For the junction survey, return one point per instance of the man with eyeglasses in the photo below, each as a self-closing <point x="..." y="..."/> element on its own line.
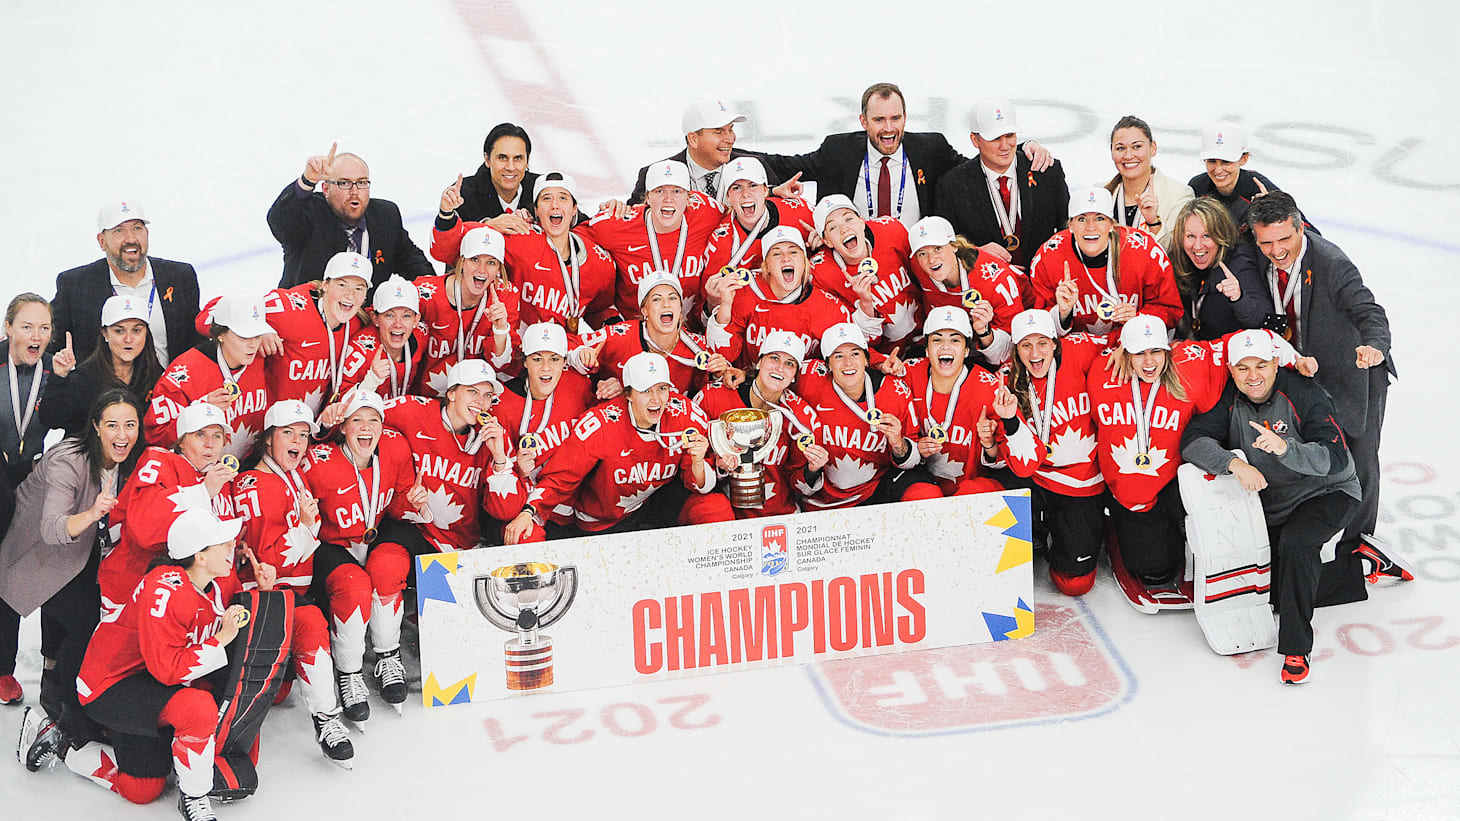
<point x="313" y="227"/>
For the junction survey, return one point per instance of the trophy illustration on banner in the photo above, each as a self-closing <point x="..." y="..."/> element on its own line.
<point x="522" y="599"/>
<point x="750" y="434"/>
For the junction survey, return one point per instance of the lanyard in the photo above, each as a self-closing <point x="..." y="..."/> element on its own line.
<point x="335" y="359"/>
<point x="1112" y="295"/>
<point x="871" y="414"/>
<point x="793" y="296"/>
<point x="229" y="377"/>
<point x="677" y="270"/>
<point x="23" y="422"/>
<point x="291" y="478"/>
<point x="683" y="337"/>
<point x="398" y="389"/>
<point x="785" y="412"/>
<point x="463" y="335"/>
<point x="901" y="186"/>
<point x="572" y="281"/>
<point x="547" y="412"/>
<point x="473" y="441"/>
<point x="1143" y="417"/>
<point x="738" y="249"/>
<point x="952" y="397"/>
<point x="371" y="506"/>
<point x="1042" y="422"/>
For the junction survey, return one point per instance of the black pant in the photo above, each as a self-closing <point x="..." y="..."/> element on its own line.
<point x="73" y="612"/>
<point x="1153" y="541"/>
<point x="1365" y="450"/>
<point x="9" y="638"/>
<point x="1075" y="524"/>
<point x="1297" y="565"/>
<point x="130" y="710"/>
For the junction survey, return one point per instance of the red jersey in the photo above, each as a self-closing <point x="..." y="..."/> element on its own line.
<point x="860" y="456"/>
<point x="453" y="335"/>
<point x="1145" y="280"/>
<point x="786" y="464"/>
<point x="452" y="470"/>
<point x="611" y="468"/>
<point x="553" y="290"/>
<point x="1057" y="447"/>
<point x="549" y="420"/>
<point x="756" y="313"/>
<point x="959" y="458"/>
<point x="1133" y="481"/>
<point x="626" y="239"/>
<point x="897" y="297"/>
<point x="730" y="238"/>
<point x="344" y="515"/>
<point x="309" y="367"/>
<point x="624" y="339"/>
<point x="269" y="506"/>
<point x="162" y="486"/>
<point x="170" y="631"/>
<point x="360" y="356"/>
<point x="194" y="375"/>
<point x="1005" y="288"/>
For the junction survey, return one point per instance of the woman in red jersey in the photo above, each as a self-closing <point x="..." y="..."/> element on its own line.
<point x="315" y="323"/>
<point x="538" y="410"/>
<point x="386" y="358"/>
<point x="865" y="263"/>
<point x="471" y="312"/>
<point x="956" y="274"/>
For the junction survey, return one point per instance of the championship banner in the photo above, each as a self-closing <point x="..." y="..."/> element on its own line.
<point x="607" y="610"/>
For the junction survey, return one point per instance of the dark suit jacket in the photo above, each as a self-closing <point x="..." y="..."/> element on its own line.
<point x="311" y="234"/>
<point x="837" y="162"/>
<point x="683" y="156"/>
<point x="962" y="197"/>
<point x="1338" y="313"/>
<point x="80" y="293"/>
<point x="479" y="198"/>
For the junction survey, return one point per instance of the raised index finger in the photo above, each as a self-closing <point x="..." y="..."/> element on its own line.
<point x="330" y="158"/>
<point x="68" y="340"/>
<point x="457" y="186"/>
<point x="1257" y="427"/>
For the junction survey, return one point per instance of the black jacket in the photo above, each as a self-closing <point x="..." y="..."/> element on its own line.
<point x="66" y="400"/>
<point x="1240" y="199"/>
<point x="1220" y="316"/>
<point x="310" y="234"/>
<point x="479" y="198"/>
<point x="837" y="162"/>
<point x="962" y="197"/>
<point x="81" y="292"/>
<point x="683" y="156"/>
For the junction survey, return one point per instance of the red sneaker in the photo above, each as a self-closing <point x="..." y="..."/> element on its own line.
<point x="1383" y="562"/>
<point x="1072" y="585"/>
<point x="10" y="692"/>
<point x="1295" y="669"/>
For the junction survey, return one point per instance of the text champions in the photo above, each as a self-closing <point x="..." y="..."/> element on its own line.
<point x="752" y="624"/>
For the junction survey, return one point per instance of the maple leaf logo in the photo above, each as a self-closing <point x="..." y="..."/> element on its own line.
<point x="901" y="388"/>
<point x="320" y="453"/>
<point x="631" y="502"/>
<point x="602" y="254"/>
<point x="172" y="578"/>
<point x="314" y="400"/>
<point x="676" y="404"/>
<point x="848" y="471"/>
<point x="427" y="290"/>
<point x="367" y="342"/>
<point x="436" y="381"/>
<point x="618" y="329"/>
<point x="299" y="544"/>
<point x="944" y="468"/>
<point x="242" y="441"/>
<point x="987" y="378"/>
<point x="1125" y="458"/>
<point x="445" y="512"/>
<point x="1136" y="239"/>
<point x="502" y="484"/>
<point x="989" y="270"/>
<point x="611" y="413"/>
<point x="247" y="481"/>
<point x="722" y="232"/>
<point x="178" y="374"/>
<point x="300" y="301"/>
<point x="1190" y="353"/>
<point x="1071" y="448"/>
<point x="903" y="320"/>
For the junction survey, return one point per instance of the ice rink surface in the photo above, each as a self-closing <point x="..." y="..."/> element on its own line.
<point x="204" y="111"/>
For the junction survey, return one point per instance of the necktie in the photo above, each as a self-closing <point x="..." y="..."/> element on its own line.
<point x="884" y="190"/>
<point x="1004" y="192"/>
<point x="356" y="234"/>
<point x="1292" y="307"/>
<point x="710" y="182"/>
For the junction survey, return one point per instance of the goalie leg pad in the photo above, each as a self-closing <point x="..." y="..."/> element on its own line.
<point x="1231" y="562"/>
<point x="255" y="671"/>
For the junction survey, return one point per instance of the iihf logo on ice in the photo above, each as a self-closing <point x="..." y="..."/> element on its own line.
<point x="774" y="550"/>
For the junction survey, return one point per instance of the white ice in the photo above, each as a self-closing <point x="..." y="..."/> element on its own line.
<point x="204" y="111"/>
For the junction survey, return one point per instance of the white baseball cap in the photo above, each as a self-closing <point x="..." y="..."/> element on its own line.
<point x="560" y="180"/>
<point x="115" y="213"/>
<point x="1223" y="141"/>
<point x="748" y="169"/>
<point x="655" y="279"/>
<point x="197" y="529"/>
<point x="120" y="307"/>
<point x="667" y="172"/>
<point x="784" y="342"/>
<point x="348" y="264"/>
<point x="483" y="240"/>
<point x="396" y="292"/>
<point x="644" y="370"/>
<point x="709" y="112"/>
<point x="828" y="205"/>
<point x="361" y="398"/>
<point x="948" y="318"/>
<point x="781" y="233"/>
<point x="1031" y="322"/>
<point x="1143" y="333"/>
<point x="842" y="333"/>
<point x="1091" y="200"/>
<point x="993" y="118"/>
<point x="1259" y="343"/>
<point x="288" y="412"/>
<point x="544" y="336"/>
<point x="243" y="314"/>
<point x="930" y="231"/>
<point x="200" y="415"/>
<point x="472" y="372"/>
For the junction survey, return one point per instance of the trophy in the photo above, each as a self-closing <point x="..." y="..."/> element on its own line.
<point x="750" y="434"/>
<point x="522" y="598"/>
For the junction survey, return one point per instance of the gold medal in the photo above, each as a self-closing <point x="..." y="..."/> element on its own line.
<point x="804" y="441"/>
<point x="1011" y="242"/>
<point x="743" y="276"/>
<point x="231" y="388"/>
<point x="874" y="415"/>
<point x="867" y="266"/>
<point x="1195" y="325"/>
<point x="528" y="440"/>
<point x="971" y="297"/>
<point x="937" y="434"/>
<point x="1049" y="452"/>
<point x="230" y="461"/>
<point x="370" y="534"/>
<point x="702" y="360"/>
<point x="1288" y="332"/>
<point x="482" y="417"/>
<point x="728" y="271"/>
<point x="686" y="436"/>
<point x="242" y="619"/>
<point x="1105" y="310"/>
<point x="573" y="324"/>
<point x="1143" y="460"/>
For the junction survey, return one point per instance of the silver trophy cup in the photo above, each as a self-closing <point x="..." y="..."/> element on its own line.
<point x="750" y="434"/>
<point x="522" y="599"/>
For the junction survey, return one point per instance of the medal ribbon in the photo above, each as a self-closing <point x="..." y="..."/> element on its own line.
<point x="781" y="409"/>
<point x="463" y="335"/>
<point x="947" y="423"/>
<point x="1143" y="417"/>
<point x="23" y="422"/>
<point x="654" y="244"/>
<point x="1042" y="423"/>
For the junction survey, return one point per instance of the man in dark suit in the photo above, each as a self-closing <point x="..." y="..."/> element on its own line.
<point x="169" y="289"/>
<point x="997" y="200"/>
<point x="502" y="185"/>
<point x="1329" y="314"/>
<point x="313" y="227"/>
<point x="709" y="143"/>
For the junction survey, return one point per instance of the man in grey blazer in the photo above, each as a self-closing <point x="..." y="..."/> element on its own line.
<point x="1329" y="314"/>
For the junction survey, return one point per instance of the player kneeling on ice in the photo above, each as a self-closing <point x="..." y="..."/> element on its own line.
<point x="364" y="483"/>
<point x="1296" y="456"/>
<point x="280" y="534"/>
<point x="617" y="473"/>
<point x="139" y="675"/>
